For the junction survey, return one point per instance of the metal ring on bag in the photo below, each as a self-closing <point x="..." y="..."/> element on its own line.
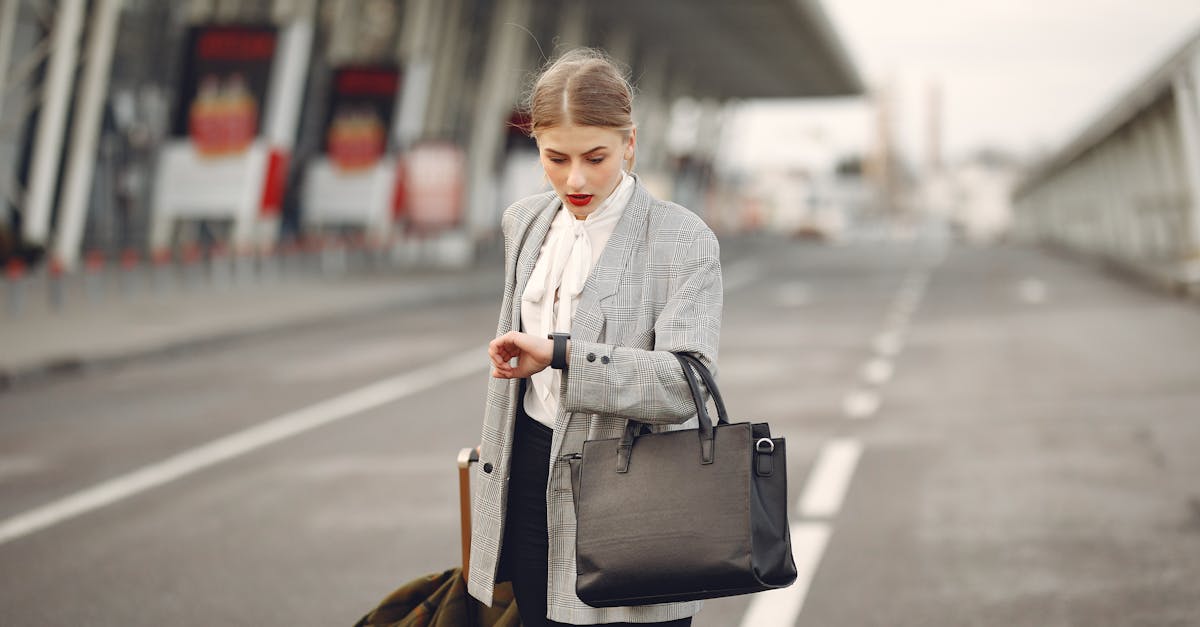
<point x="768" y="448"/>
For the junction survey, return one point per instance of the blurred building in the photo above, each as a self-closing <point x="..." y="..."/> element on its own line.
<point x="238" y="123"/>
<point x="974" y="195"/>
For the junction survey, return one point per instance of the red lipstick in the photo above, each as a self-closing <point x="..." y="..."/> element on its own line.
<point x="579" y="200"/>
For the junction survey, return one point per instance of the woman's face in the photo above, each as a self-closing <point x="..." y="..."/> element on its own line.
<point x="584" y="163"/>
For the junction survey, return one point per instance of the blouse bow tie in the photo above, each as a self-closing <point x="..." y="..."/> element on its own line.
<point x="555" y="287"/>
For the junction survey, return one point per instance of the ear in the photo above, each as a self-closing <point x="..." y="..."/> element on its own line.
<point x="631" y="146"/>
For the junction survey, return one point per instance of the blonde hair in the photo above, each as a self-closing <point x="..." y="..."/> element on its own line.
<point x="583" y="87"/>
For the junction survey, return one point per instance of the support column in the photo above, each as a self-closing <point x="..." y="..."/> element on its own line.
<point x="572" y="26"/>
<point x="1187" y="108"/>
<point x="1113" y="186"/>
<point x="1165" y="184"/>
<point x="417" y="55"/>
<point x="619" y="45"/>
<point x="1125" y="236"/>
<point x="500" y="80"/>
<point x="448" y="58"/>
<point x="8" y="23"/>
<point x="650" y="111"/>
<point x="52" y="120"/>
<point x="85" y="132"/>
<point x="258" y="222"/>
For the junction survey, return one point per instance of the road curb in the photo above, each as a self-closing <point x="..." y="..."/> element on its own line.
<point x="67" y="365"/>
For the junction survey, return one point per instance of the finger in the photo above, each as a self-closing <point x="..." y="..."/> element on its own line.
<point x="496" y="357"/>
<point x="499" y="351"/>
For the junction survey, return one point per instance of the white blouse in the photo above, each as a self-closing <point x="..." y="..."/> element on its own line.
<point x="548" y="303"/>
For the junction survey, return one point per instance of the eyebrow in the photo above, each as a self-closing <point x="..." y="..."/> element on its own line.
<point x="586" y="152"/>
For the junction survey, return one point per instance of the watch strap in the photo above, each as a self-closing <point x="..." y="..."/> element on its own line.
<point x="558" y="358"/>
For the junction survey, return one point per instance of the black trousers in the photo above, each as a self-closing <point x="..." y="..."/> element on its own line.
<point x="525" y="550"/>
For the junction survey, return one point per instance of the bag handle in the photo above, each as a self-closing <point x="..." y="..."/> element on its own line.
<point x="709" y="382"/>
<point x="687" y="362"/>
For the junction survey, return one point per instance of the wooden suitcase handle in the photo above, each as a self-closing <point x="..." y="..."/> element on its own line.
<point x="466" y="457"/>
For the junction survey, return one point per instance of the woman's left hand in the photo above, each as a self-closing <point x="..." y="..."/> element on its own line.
<point x="533" y="355"/>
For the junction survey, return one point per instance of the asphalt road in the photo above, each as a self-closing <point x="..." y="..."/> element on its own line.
<point x="977" y="436"/>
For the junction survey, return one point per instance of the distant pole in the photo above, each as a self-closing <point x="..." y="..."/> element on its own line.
<point x="52" y="120"/>
<point x="881" y="160"/>
<point x="933" y="158"/>
<point x="85" y="133"/>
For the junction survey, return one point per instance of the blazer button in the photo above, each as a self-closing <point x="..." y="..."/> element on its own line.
<point x="487" y="467"/>
<point x="604" y="359"/>
<point x="591" y="357"/>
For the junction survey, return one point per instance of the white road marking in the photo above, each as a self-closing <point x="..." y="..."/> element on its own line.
<point x="242" y="442"/>
<point x="916" y="279"/>
<point x="780" y="608"/>
<point x="740" y="274"/>
<point x="860" y="404"/>
<point x="830" y="478"/>
<point x="907" y="301"/>
<point x="359" y="357"/>
<point x="17" y="465"/>
<point x="794" y="294"/>
<point x="877" y="371"/>
<point x="896" y="322"/>
<point x="888" y="344"/>
<point x="1032" y="291"/>
<point x="836" y="463"/>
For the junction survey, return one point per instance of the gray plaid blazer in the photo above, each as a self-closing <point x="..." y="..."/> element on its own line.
<point x="656" y="289"/>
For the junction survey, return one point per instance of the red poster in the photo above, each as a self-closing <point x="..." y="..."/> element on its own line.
<point x="225" y="86"/>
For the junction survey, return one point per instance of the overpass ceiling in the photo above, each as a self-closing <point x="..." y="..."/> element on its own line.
<point x="741" y="48"/>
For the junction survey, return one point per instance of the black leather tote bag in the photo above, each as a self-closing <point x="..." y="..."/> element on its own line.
<point x="682" y="515"/>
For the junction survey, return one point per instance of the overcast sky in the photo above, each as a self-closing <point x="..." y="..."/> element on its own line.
<point x="1022" y="75"/>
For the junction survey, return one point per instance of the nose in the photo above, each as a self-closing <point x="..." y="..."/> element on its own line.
<point x="576" y="180"/>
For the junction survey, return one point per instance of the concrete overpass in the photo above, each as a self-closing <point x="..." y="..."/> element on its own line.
<point x="1127" y="188"/>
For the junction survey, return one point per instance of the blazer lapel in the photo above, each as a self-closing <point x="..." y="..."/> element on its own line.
<point x="605" y="277"/>
<point x="531" y="248"/>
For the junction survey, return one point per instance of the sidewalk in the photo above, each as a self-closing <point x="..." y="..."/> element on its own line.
<point x="39" y="341"/>
<point x="113" y="317"/>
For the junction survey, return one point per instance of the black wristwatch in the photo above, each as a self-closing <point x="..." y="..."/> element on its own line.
<point x="558" y="359"/>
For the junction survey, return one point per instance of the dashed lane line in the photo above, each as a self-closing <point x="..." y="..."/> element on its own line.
<point x="1032" y="291"/>
<point x="829" y="481"/>
<point x="861" y="404"/>
<point x="878" y="371"/>
<point x="781" y="608"/>
<point x="740" y="274"/>
<point x="830" y="478"/>
<point x="888" y="343"/>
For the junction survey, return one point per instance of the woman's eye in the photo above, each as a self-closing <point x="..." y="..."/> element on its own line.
<point x="596" y="160"/>
<point x="557" y="160"/>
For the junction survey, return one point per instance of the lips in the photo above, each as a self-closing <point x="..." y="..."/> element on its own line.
<point x="579" y="200"/>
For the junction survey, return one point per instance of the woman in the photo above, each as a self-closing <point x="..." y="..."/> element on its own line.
<point x="620" y="280"/>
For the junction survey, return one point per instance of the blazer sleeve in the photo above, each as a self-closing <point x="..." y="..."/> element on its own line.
<point x="649" y="385"/>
